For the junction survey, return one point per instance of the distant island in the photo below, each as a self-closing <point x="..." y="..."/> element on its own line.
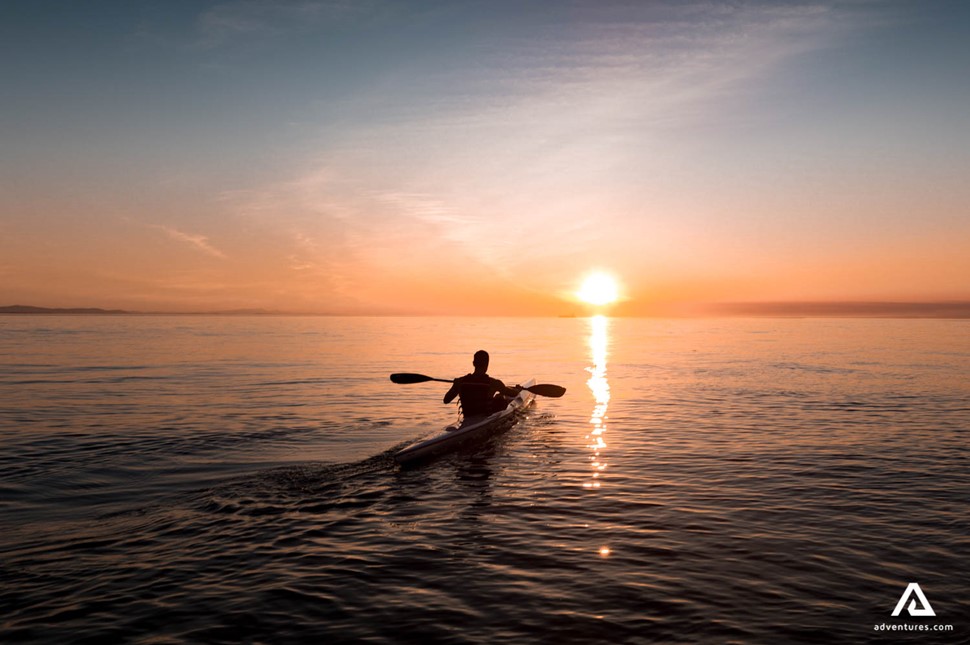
<point x="26" y="309"/>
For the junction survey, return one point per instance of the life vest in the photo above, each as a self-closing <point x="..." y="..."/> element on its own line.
<point x="476" y="394"/>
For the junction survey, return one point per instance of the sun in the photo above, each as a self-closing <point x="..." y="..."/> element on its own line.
<point x="598" y="289"/>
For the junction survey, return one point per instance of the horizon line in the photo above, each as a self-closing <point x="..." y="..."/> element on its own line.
<point x="942" y="309"/>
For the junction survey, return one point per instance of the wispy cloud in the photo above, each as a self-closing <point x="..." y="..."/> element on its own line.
<point x="316" y="225"/>
<point x="574" y="98"/>
<point x="619" y="68"/>
<point x="431" y="210"/>
<point x="540" y="121"/>
<point x="198" y="242"/>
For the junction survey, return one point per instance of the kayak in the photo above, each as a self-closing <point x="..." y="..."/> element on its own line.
<point x="470" y="428"/>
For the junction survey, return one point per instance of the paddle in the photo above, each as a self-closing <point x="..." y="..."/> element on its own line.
<point x="542" y="389"/>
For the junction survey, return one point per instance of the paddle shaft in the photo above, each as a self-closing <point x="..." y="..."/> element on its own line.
<point x="542" y="389"/>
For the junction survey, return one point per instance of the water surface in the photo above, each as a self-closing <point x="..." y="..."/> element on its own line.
<point x="173" y="479"/>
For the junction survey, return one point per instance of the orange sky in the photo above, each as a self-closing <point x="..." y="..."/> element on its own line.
<point x="483" y="161"/>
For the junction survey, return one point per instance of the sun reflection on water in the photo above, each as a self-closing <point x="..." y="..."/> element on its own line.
<point x="600" y="388"/>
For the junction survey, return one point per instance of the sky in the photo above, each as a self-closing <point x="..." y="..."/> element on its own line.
<point x="481" y="158"/>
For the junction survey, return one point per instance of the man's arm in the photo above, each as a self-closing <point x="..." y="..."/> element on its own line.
<point x="504" y="389"/>
<point x="453" y="392"/>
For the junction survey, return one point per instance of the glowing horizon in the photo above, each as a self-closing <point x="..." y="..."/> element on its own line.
<point x="391" y="158"/>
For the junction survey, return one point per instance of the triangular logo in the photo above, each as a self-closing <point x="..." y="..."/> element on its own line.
<point x="911" y="590"/>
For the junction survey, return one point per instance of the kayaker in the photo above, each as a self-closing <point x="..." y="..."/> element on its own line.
<point x="479" y="393"/>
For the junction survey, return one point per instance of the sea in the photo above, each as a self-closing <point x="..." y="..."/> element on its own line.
<point x="230" y="479"/>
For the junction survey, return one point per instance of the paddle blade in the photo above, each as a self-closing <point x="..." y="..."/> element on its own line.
<point x="547" y="389"/>
<point x="406" y="378"/>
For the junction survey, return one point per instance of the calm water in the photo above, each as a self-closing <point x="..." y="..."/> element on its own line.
<point x="183" y="479"/>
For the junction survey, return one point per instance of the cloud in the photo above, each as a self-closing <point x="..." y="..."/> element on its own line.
<point x="556" y="106"/>
<point x="431" y="210"/>
<point x="198" y="242"/>
<point x="316" y="226"/>
<point x="618" y="67"/>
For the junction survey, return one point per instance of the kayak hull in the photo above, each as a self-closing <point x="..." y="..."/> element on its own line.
<point x="470" y="429"/>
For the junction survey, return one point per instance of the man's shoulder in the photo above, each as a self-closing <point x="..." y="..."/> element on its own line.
<point x="477" y="379"/>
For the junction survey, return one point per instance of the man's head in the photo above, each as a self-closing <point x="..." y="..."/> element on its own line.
<point x="480" y="361"/>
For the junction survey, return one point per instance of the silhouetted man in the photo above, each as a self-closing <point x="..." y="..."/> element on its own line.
<point x="479" y="393"/>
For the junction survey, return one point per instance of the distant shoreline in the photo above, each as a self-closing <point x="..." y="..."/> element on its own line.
<point x="897" y="310"/>
<point x="20" y="310"/>
<point x="954" y="309"/>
